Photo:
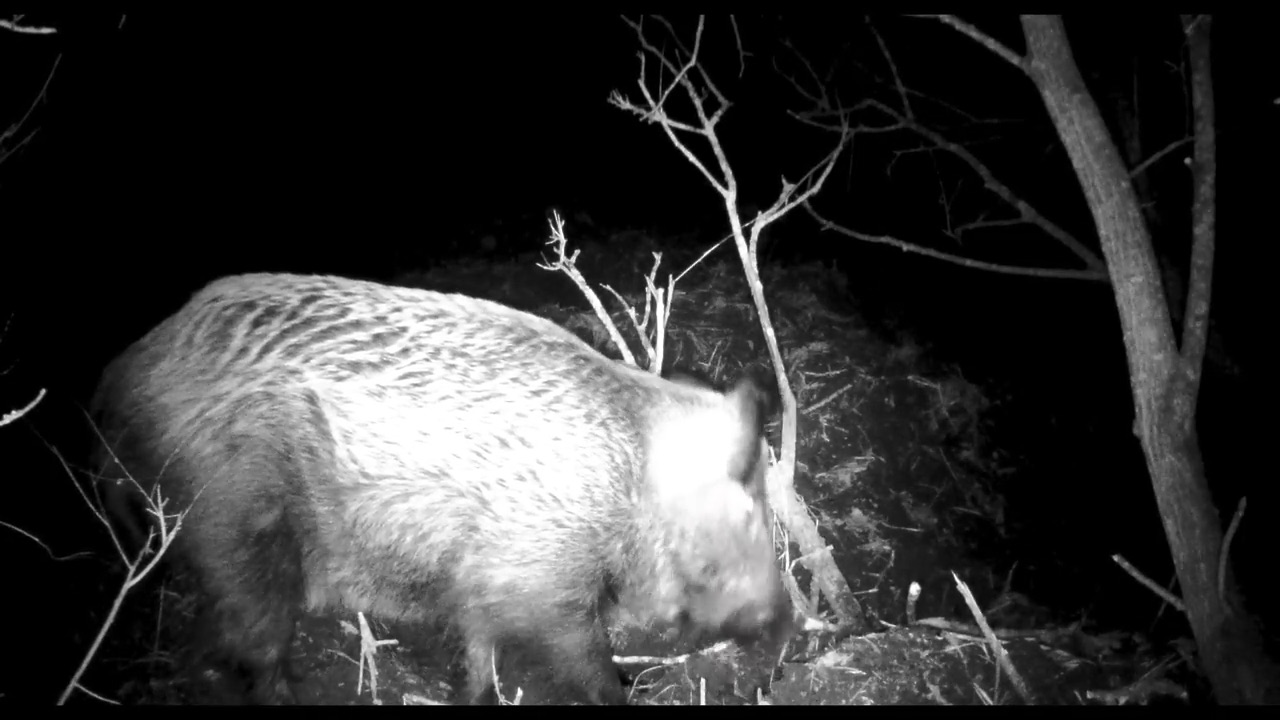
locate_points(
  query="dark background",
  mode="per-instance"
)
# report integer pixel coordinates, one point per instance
(182, 146)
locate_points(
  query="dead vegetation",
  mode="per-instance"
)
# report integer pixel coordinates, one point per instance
(896, 459)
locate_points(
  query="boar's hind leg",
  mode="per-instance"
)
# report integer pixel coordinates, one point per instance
(249, 537)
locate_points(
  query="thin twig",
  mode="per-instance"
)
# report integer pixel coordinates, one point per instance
(13, 415)
(1002, 657)
(565, 264)
(1149, 584)
(1226, 548)
(985, 40)
(14, 26)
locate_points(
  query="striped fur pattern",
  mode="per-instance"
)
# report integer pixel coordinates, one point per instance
(426, 456)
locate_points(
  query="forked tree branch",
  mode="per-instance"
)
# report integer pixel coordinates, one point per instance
(690, 77)
(826, 115)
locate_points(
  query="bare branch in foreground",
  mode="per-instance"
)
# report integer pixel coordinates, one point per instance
(690, 77)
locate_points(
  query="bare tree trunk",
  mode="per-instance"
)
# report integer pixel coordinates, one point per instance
(1164, 383)
(1129, 123)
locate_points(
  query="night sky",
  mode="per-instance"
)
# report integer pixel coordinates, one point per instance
(178, 148)
(174, 147)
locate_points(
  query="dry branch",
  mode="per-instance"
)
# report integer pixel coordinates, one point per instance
(997, 647)
(829, 115)
(709, 105)
(159, 538)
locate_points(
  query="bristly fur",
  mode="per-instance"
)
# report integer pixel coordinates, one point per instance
(415, 454)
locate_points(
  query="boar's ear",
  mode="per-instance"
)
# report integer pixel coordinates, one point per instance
(752, 404)
(756, 398)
